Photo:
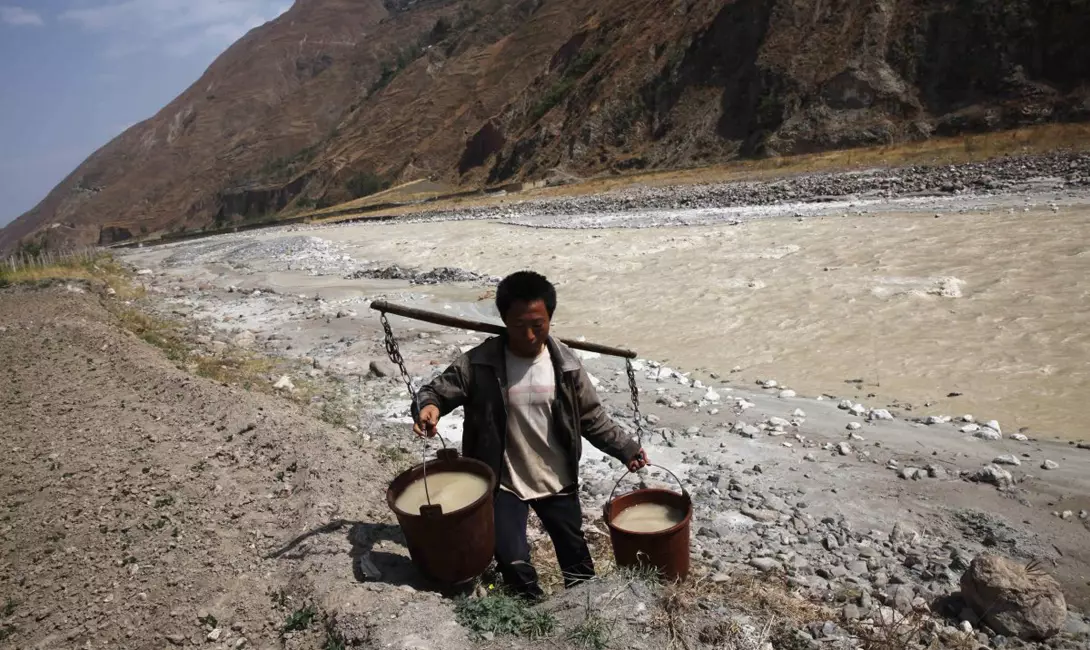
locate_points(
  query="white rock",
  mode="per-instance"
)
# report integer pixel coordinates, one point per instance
(750, 431)
(1007, 459)
(993, 425)
(970, 428)
(1019, 437)
(713, 411)
(1050, 464)
(284, 383)
(854, 426)
(880, 414)
(968, 418)
(768, 383)
(144, 272)
(638, 366)
(938, 419)
(743, 404)
(787, 444)
(856, 437)
(858, 409)
(993, 474)
(1067, 514)
(988, 434)
(711, 395)
(810, 458)
(785, 394)
(844, 449)
(214, 635)
(699, 385)
(798, 413)
(778, 422)
(844, 404)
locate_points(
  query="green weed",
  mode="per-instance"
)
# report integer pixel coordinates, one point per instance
(501, 614)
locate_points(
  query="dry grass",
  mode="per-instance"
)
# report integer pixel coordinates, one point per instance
(935, 151)
(101, 270)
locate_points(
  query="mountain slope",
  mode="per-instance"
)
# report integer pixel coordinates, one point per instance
(336, 97)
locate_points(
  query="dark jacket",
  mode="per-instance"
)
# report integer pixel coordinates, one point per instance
(478, 381)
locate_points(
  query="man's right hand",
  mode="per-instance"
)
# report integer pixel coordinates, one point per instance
(427, 421)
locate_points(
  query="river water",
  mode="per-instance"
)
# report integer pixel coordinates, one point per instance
(992, 305)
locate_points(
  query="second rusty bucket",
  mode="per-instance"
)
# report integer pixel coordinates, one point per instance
(666, 551)
(449, 548)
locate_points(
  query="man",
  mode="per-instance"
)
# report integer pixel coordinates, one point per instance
(528, 402)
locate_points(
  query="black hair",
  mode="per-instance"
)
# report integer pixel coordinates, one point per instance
(526, 286)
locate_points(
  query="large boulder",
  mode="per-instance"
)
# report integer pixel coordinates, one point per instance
(1014, 600)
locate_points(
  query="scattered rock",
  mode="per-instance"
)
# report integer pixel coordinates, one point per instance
(854, 426)
(1014, 600)
(844, 448)
(880, 414)
(988, 434)
(1007, 459)
(765, 564)
(284, 383)
(993, 425)
(1020, 437)
(381, 368)
(786, 394)
(798, 413)
(970, 428)
(993, 474)
(1050, 464)
(244, 339)
(768, 383)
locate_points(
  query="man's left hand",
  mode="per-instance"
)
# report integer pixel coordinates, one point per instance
(639, 462)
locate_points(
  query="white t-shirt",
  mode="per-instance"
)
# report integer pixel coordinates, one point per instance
(535, 463)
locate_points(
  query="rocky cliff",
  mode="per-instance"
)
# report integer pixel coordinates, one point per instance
(337, 98)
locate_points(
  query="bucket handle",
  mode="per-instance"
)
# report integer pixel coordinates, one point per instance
(424, 465)
(684, 492)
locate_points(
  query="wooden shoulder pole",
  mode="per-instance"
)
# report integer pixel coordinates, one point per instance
(487, 328)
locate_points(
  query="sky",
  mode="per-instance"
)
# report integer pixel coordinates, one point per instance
(76, 73)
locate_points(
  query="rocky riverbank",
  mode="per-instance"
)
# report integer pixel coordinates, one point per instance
(803, 193)
(869, 511)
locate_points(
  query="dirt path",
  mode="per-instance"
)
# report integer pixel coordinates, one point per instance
(145, 507)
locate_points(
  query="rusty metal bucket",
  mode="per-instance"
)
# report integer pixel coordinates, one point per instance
(666, 551)
(448, 548)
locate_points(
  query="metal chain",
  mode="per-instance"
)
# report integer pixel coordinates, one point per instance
(394, 352)
(395, 355)
(635, 390)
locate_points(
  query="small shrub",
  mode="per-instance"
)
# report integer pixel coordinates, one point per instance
(300, 619)
(365, 184)
(593, 633)
(503, 614)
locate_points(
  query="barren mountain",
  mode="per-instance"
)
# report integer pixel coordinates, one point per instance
(338, 97)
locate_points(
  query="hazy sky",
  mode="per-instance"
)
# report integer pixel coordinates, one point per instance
(76, 73)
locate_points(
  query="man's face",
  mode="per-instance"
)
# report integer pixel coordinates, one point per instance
(527, 327)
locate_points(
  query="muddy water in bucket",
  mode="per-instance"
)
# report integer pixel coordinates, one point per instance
(649, 518)
(650, 528)
(452, 542)
(452, 490)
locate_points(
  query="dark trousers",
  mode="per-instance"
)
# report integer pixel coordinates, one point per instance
(562, 518)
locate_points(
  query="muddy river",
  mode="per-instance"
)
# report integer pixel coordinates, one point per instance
(992, 306)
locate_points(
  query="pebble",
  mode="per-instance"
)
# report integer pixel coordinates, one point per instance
(970, 428)
(858, 409)
(844, 404)
(785, 394)
(938, 419)
(750, 431)
(711, 396)
(968, 418)
(765, 564)
(1019, 437)
(810, 457)
(844, 449)
(798, 413)
(988, 434)
(768, 383)
(284, 383)
(1007, 459)
(854, 426)
(778, 422)
(880, 414)
(1050, 464)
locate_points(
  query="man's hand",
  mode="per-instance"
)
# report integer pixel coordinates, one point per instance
(427, 421)
(639, 461)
